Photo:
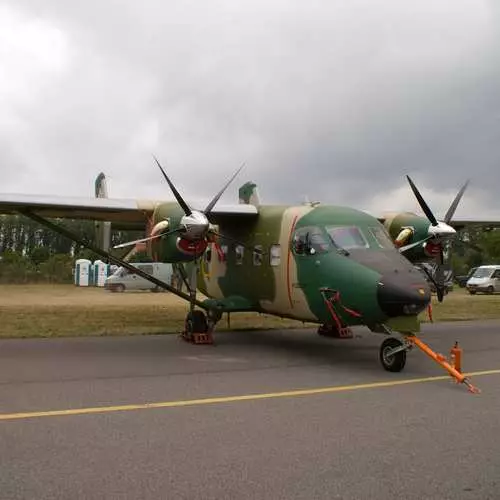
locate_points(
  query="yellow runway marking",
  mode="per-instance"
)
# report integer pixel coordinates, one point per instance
(233, 399)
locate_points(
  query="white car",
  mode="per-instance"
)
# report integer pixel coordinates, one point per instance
(122, 279)
(485, 279)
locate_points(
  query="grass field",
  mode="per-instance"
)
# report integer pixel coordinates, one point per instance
(66, 310)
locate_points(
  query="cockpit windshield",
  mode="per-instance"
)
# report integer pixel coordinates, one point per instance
(347, 237)
(316, 240)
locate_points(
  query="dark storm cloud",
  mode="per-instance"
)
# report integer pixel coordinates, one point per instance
(334, 100)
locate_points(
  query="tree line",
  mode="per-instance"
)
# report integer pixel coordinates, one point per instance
(31, 253)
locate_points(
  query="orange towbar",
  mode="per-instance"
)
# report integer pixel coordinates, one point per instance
(454, 370)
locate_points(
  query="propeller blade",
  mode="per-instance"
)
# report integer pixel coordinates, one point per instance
(439, 281)
(423, 205)
(451, 211)
(149, 238)
(439, 287)
(216, 198)
(440, 258)
(405, 248)
(177, 195)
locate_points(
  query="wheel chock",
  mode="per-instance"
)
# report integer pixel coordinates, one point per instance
(454, 369)
(198, 338)
(202, 338)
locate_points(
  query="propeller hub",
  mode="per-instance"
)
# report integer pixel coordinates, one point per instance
(442, 231)
(195, 226)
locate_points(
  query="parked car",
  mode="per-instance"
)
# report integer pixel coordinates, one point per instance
(461, 281)
(485, 279)
(122, 279)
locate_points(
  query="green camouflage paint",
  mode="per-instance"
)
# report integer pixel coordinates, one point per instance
(291, 286)
(356, 283)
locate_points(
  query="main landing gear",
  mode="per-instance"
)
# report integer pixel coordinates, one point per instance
(393, 357)
(198, 325)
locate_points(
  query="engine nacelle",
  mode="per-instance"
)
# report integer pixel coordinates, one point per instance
(406, 228)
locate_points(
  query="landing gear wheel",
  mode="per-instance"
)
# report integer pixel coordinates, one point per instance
(392, 362)
(197, 329)
(196, 322)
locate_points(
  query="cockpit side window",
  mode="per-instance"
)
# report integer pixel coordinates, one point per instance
(347, 237)
(381, 237)
(309, 241)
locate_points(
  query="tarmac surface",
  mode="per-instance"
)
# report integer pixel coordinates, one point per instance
(353, 432)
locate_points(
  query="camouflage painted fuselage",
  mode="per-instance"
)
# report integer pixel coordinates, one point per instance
(287, 282)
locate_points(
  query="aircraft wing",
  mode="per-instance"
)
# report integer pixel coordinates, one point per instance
(462, 222)
(458, 222)
(128, 213)
(69, 207)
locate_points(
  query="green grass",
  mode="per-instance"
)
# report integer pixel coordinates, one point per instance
(69, 311)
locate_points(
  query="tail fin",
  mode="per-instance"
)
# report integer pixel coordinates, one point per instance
(102, 229)
(248, 194)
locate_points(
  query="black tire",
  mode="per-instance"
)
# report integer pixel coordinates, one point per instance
(156, 289)
(196, 322)
(490, 290)
(396, 362)
(472, 292)
(120, 288)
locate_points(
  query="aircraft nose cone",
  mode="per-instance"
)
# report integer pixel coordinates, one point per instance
(398, 297)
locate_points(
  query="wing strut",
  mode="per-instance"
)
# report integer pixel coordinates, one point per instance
(115, 260)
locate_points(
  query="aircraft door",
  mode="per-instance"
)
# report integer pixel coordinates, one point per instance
(308, 244)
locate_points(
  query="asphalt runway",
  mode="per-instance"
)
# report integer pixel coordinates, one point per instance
(229, 422)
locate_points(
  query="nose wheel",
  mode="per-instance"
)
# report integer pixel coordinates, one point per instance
(393, 354)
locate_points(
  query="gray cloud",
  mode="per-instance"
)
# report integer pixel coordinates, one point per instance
(336, 100)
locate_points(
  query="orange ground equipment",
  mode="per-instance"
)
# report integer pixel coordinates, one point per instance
(454, 369)
(456, 357)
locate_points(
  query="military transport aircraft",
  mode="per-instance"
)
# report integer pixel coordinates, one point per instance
(331, 265)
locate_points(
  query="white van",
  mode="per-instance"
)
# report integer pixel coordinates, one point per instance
(485, 279)
(122, 279)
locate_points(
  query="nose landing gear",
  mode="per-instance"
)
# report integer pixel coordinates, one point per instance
(393, 354)
(393, 357)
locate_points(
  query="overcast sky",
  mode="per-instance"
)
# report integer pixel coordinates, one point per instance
(334, 100)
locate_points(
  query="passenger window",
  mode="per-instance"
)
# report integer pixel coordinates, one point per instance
(239, 254)
(275, 256)
(257, 255)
